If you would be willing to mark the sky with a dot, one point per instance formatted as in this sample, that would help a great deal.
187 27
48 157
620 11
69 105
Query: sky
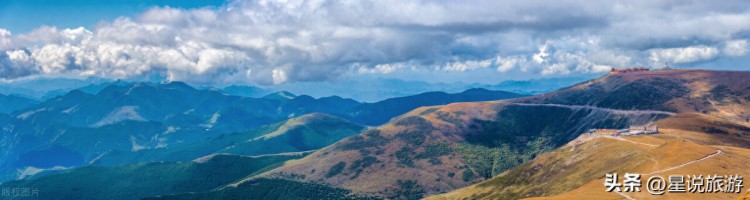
271 42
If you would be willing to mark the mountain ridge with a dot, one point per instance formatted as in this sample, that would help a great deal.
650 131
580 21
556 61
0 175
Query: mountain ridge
429 127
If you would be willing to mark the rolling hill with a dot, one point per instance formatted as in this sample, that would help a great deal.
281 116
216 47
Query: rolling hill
127 117
527 147
135 181
437 149
304 133
80 127
709 134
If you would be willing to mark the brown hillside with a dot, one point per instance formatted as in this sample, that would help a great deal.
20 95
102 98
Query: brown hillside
437 149
711 114
576 171
723 94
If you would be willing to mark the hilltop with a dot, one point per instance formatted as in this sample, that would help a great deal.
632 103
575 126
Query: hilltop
709 124
436 149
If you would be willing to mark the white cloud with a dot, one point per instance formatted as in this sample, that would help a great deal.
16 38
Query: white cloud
684 55
279 76
736 48
5 39
462 66
505 64
317 40
540 56
557 68
382 68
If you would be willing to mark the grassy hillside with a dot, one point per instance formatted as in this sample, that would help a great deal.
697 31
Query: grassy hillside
433 150
270 189
577 170
304 133
711 118
437 149
717 93
134 181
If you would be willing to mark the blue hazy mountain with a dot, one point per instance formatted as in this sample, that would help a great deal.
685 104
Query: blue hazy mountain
245 91
135 181
80 127
45 88
299 134
11 103
378 89
533 86
283 95
364 90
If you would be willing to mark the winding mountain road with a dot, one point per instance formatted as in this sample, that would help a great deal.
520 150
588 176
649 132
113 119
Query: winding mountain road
616 111
687 163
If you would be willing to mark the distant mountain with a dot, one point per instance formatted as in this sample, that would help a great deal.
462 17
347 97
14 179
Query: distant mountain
534 86
134 117
45 88
304 133
378 89
135 181
245 91
11 103
380 112
283 95
79 127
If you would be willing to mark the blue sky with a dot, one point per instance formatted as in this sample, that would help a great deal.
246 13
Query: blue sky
25 15
271 42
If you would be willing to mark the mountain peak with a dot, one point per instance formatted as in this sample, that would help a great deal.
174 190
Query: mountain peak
282 95
177 85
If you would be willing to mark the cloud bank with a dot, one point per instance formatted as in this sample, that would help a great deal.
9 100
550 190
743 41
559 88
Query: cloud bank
279 41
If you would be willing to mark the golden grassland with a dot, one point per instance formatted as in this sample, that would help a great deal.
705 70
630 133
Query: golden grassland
576 171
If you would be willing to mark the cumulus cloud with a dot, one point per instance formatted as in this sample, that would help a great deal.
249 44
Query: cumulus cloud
467 65
279 41
505 64
542 55
16 63
382 68
279 76
684 55
736 48
5 39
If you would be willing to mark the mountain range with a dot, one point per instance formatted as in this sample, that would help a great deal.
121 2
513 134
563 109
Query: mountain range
477 144
433 150
81 127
